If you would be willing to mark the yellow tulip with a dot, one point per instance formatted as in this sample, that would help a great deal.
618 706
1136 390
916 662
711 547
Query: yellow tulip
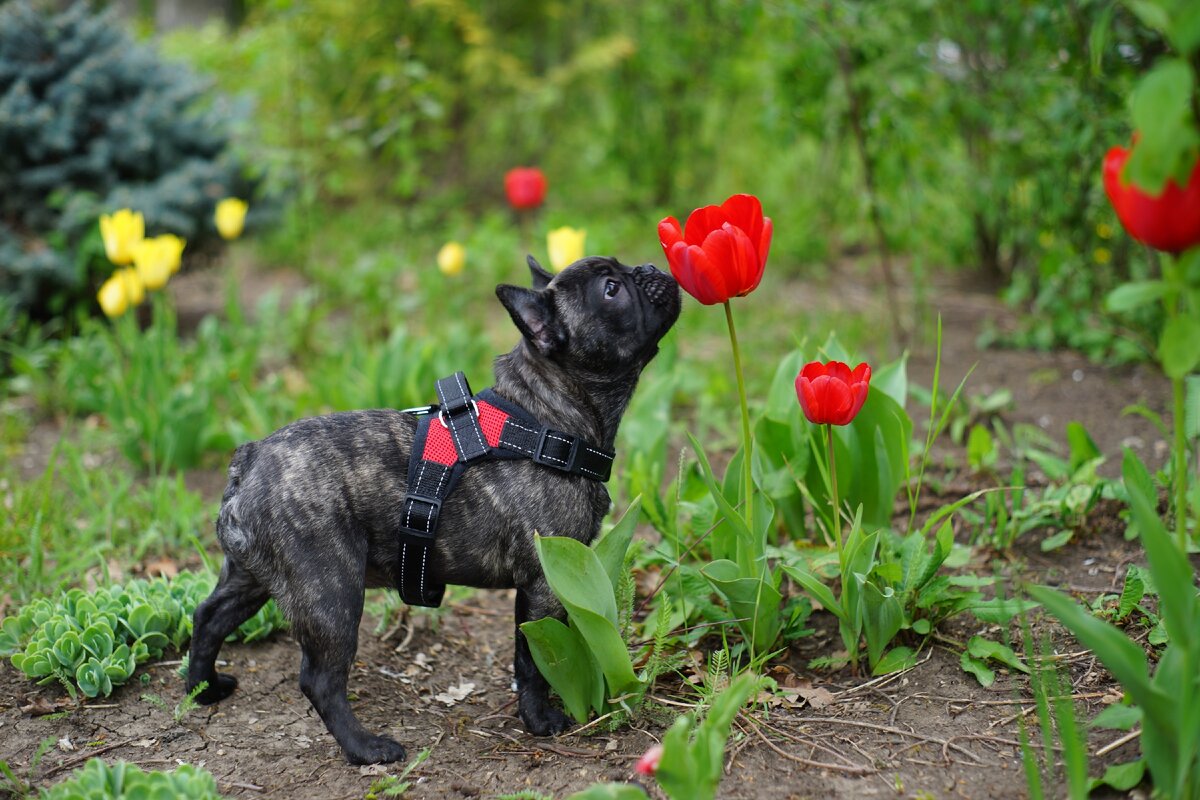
231 217
451 258
566 246
120 292
158 259
121 232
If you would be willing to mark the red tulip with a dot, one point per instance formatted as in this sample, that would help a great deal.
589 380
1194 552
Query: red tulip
830 393
525 187
1169 222
722 251
648 763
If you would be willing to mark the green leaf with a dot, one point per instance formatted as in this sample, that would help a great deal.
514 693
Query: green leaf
1161 107
1118 717
817 589
747 543
1000 611
1135 294
1122 777
580 582
1151 13
882 617
611 549
897 659
1132 592
576 575
1056 540
978 668
782 405
986 649
1179 347
1083 447
1179 606
562 657
981 447
755 601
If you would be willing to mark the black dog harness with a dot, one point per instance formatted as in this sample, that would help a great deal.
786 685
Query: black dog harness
463 430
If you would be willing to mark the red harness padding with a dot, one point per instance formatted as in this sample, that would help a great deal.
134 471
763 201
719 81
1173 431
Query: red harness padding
462 430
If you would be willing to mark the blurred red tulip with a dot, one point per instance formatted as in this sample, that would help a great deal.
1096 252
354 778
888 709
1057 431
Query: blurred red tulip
525 187
830 394
722 250
1168 222
648 763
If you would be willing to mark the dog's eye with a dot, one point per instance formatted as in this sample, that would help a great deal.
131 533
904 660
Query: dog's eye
611 288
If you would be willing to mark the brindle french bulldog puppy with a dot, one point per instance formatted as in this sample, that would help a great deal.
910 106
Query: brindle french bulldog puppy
310 514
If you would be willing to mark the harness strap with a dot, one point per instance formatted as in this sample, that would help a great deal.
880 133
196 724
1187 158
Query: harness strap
463 430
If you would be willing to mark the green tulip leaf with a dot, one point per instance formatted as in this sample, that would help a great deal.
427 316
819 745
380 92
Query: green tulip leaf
562 657
979 668
1122 777
754 601
581 583
988 650
613 546
1161 111
1136 294
1179 347
897 659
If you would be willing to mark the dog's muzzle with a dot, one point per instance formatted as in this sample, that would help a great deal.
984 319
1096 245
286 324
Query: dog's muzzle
659 287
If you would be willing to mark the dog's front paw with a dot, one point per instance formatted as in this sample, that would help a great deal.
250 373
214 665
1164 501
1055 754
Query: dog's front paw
375 750
220 687
544 719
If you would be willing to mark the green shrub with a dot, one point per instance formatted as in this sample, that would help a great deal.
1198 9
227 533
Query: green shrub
100 781
91 122
95 641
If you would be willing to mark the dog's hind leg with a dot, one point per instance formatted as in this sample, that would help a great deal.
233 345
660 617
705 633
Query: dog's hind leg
538 713
237 597
328 634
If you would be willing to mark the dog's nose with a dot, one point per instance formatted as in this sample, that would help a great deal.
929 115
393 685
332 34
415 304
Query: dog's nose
659 287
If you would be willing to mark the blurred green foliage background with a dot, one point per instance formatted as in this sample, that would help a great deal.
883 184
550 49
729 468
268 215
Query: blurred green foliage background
962 133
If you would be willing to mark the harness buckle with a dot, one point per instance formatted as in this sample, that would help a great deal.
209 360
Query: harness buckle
430 519
444 414
557 439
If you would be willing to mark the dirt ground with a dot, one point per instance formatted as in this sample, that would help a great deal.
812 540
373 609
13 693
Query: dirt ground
929 732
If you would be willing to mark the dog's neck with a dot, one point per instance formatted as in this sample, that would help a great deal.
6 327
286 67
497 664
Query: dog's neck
585 406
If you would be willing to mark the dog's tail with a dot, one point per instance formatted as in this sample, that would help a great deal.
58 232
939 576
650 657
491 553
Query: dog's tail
229 529
243 459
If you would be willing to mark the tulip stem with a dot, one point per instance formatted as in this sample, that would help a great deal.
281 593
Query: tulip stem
1181 472
746 441
833 489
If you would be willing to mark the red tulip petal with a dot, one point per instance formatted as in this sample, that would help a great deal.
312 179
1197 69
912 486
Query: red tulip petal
834 400
839 371
745 211
695 274
813 370
764 244
862 373
669 232
701 223
728 249
807 398
858 396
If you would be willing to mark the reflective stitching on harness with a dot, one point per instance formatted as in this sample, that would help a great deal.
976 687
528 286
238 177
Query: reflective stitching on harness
429 520
409 505
458 378
424 555
582 468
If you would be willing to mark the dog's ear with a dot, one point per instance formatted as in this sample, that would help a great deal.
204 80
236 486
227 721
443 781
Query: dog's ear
533 313
541 278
